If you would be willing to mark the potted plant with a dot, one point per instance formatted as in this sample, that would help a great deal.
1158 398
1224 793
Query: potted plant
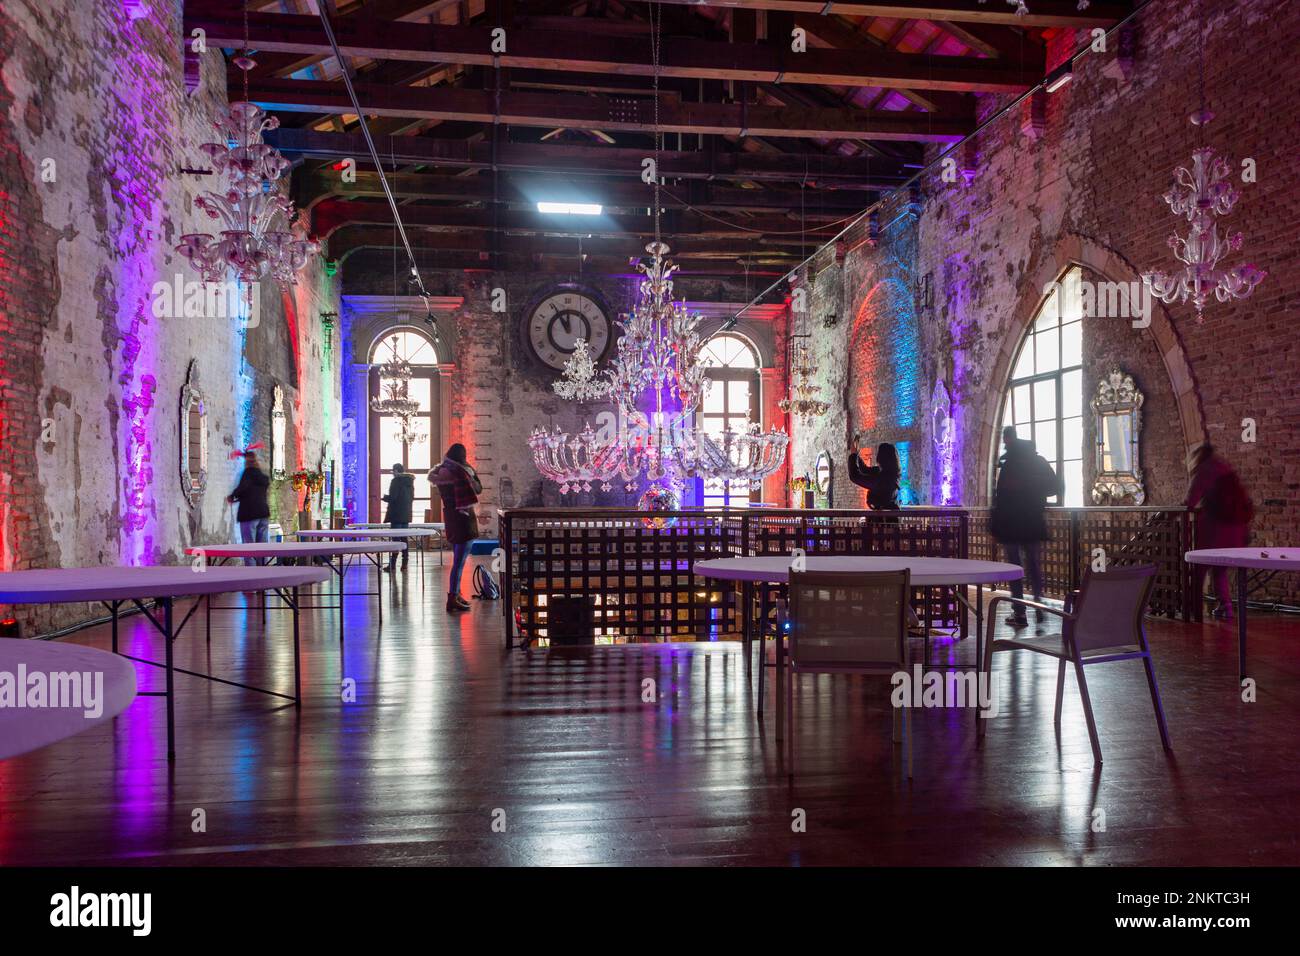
802 487
306 483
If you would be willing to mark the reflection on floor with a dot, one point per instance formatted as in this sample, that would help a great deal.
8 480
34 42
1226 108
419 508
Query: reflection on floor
448 734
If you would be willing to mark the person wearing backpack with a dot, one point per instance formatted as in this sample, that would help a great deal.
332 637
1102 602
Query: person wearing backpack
1019 518
1222 520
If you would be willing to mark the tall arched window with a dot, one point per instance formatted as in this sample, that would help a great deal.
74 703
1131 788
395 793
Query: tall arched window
1044 399
387 446
732 401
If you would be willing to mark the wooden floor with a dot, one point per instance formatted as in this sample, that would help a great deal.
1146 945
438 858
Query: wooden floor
448 732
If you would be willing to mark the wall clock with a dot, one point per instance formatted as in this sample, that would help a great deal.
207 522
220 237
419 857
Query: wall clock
553 327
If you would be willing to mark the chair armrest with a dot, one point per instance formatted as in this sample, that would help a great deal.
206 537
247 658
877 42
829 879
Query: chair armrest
1071 599
991 615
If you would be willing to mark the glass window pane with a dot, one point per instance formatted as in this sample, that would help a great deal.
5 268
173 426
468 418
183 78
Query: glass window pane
1049 311
1045 400
1025 430
1045 439
1071 344
419 391
419 457
713 402
1071 296
1072 438
390 449
1072 393
1025 362
1073 484
1020 399
1047 355
714 426
738 397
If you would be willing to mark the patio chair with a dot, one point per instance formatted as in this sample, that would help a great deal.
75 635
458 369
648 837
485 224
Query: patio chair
1102 624
848 623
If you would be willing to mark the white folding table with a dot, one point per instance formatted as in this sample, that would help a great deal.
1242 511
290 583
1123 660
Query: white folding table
337 555
382 533
24 728
114 586
925 572
1270 561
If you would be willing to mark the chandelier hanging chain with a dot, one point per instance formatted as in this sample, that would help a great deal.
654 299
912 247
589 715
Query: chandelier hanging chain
656 23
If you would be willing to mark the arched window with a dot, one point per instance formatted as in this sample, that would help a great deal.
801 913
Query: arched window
422 441
731 402
1044 399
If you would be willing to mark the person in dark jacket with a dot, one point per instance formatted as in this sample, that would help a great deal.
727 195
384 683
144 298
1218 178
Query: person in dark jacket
1019 519
881 479
459 486
400 497
253 514
1223 519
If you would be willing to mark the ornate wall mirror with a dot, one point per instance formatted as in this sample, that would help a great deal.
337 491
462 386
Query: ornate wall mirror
822 476
278 426
1117 408
194 438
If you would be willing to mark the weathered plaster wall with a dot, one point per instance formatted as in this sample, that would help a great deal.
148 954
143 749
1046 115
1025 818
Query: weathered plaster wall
96 123
1085 188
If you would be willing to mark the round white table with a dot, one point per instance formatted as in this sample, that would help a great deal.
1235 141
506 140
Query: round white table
92 688
925 572
337 555
1245 560
114 586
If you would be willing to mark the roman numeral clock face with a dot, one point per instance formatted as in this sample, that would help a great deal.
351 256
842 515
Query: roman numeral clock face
557 323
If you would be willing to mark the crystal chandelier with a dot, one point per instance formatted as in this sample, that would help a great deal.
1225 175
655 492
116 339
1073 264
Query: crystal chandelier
1202 194
409 432
394 396
250 204
579 381
803 400
657 382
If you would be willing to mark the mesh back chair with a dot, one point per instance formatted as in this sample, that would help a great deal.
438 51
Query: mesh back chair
847 623
1103 623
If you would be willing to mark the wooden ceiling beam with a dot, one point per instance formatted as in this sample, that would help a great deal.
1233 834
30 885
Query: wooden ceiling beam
556 50
858 172
1042 13
608 113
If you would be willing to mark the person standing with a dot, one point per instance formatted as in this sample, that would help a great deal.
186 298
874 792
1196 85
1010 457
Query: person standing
254 514
459 487
1222 520
400 497
1019 519
881 480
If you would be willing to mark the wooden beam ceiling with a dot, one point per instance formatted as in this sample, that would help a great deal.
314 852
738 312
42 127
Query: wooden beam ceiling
608 113
1042 13
556 50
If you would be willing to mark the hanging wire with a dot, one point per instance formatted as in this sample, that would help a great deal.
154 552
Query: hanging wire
370 143
656 23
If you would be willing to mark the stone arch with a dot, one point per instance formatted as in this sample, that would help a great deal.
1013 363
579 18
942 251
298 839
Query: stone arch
1074 249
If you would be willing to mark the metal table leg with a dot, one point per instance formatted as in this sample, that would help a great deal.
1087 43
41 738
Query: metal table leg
168 640
1241 624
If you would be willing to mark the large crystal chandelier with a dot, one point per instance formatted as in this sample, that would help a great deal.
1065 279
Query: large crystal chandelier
656 381
250 204
1202 194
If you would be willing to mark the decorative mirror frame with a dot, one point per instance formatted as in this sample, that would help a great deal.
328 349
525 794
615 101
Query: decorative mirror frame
192 487
279 433
824 487
1118 395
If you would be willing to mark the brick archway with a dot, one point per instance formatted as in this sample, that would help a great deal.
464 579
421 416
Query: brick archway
1073 249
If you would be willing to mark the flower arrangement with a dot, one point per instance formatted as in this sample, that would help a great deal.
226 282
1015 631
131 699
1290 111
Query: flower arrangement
801 484
309 481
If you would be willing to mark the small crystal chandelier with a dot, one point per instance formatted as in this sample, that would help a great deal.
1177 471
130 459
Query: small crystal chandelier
250 203
409 431
579 381
394 396
1202 194
803 400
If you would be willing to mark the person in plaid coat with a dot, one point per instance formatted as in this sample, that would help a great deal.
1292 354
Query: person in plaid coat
459 487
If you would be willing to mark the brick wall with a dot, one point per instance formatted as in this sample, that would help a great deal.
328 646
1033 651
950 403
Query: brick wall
1085 188
96 122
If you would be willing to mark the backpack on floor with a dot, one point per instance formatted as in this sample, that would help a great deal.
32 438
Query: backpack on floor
485 586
